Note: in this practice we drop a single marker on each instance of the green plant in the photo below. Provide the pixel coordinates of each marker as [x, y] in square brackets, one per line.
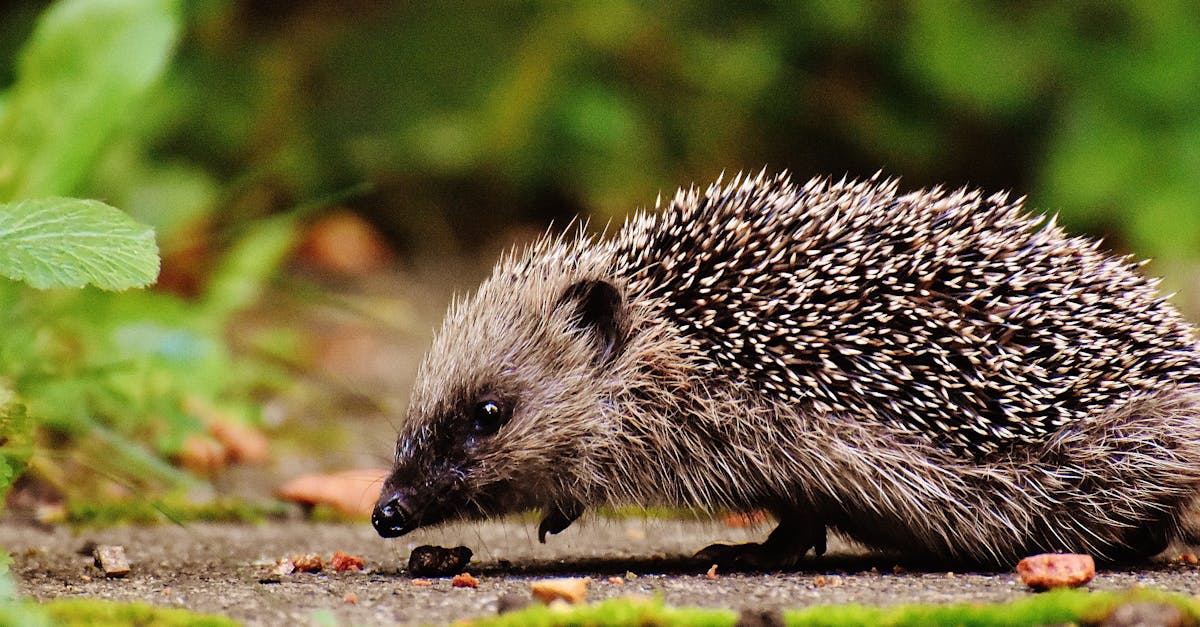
[63, 242]
[98, 384]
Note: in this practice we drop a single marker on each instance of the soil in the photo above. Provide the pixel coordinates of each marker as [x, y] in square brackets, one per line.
[224, 569]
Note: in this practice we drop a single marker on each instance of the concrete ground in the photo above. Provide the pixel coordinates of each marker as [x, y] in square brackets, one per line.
[218, 569]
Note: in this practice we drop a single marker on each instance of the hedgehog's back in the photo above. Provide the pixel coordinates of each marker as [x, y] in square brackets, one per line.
[951, 316]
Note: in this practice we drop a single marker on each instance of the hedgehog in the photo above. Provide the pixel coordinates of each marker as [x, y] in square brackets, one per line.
[941, 373]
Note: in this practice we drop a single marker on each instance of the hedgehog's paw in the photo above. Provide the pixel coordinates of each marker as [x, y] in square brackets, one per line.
[784, 549]
[1139, 544]
[750, 556]
[558, 518]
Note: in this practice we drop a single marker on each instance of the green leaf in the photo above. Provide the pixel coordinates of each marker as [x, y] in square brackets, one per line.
[67, 242]
[79, 78]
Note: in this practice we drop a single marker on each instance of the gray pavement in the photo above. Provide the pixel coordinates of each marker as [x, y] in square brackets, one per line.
[217, 568]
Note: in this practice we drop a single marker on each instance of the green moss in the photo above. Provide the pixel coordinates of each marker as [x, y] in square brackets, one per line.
[613, 612]
[143, 512]
[657, 513]
[1058, 607]
[69, 612]
[1055, 607]
[92, 612]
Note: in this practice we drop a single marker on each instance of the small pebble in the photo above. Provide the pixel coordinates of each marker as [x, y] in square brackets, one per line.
[438, 561]
[342, 562]
[464, 580]
[282, 567]
[712, 572]
[111, 559]
[1056, 570]
[510, 602]
[310, 563]
[759, 618]
[570, 590]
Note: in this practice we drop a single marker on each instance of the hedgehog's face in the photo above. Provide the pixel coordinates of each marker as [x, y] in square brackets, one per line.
[507, 404]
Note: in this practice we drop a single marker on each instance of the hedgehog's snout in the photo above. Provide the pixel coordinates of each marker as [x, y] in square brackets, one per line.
[393, 515]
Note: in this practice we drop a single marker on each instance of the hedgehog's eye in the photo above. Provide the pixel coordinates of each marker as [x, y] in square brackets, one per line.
[489, 416]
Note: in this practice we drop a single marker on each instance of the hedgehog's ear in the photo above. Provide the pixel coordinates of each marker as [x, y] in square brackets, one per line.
[599, 310]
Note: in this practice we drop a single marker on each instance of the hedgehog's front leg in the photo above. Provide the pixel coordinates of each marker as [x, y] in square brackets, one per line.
[558, 518]
[784, 548]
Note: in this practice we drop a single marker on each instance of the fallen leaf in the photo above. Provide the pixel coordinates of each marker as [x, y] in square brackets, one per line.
[352, 492]
[202, 455]
[243, 444]
[342, 242]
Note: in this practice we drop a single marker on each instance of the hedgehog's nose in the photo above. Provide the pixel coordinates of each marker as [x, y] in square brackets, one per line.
[393, 516]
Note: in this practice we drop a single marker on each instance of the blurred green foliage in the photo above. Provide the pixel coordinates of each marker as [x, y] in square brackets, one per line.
[469, 116]
[16, 441]
[107, 378]
[80, 71]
